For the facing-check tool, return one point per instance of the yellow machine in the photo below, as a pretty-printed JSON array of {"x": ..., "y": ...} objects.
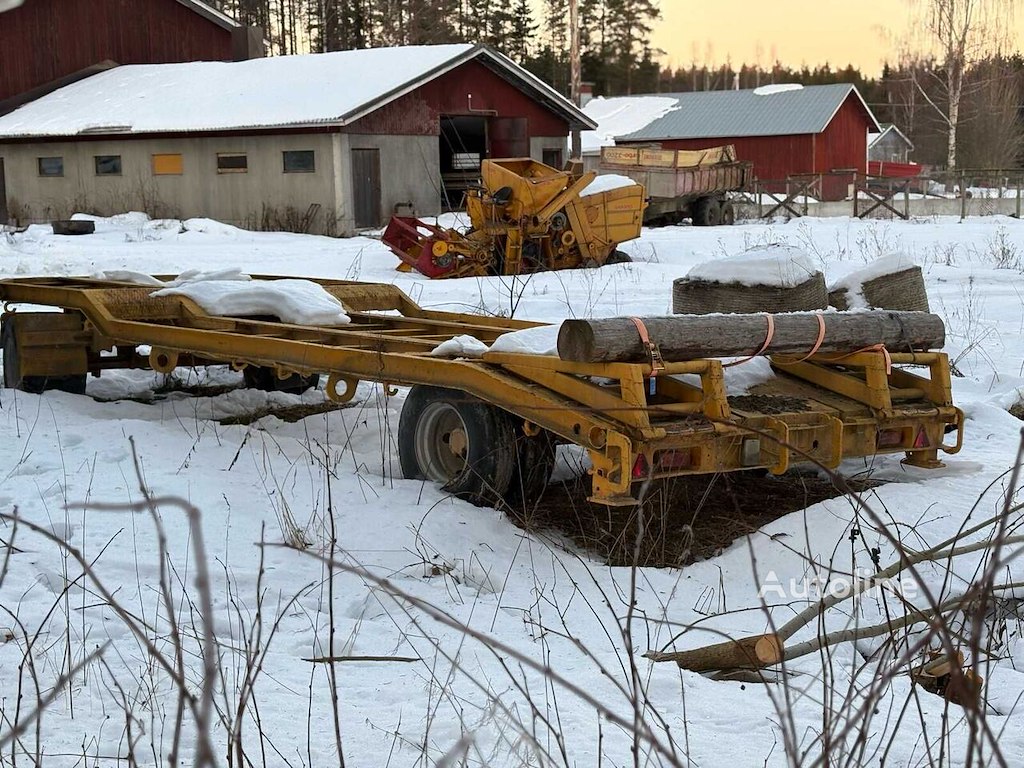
[
  {"x": 486, "y": 428},
  {"x": 526, "y": 217}
]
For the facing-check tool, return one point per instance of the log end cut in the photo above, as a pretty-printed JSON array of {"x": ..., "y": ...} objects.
[{"x": 757, "y": 652}]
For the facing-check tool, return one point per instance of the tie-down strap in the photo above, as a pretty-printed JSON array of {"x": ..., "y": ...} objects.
[{"x": 653, "y": 353}]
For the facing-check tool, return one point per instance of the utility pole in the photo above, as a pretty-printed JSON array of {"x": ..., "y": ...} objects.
[{"x": 574, "y": 70}]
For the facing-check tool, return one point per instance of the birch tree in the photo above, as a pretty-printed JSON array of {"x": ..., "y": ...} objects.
[{"x": 961, "y": 33}]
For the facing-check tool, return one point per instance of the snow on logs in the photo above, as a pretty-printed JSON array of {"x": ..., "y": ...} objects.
[{"x": 690, "y": 337}]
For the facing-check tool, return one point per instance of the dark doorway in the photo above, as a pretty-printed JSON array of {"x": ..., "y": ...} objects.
[
  {"x": 510, "y": 137},
  {"x": 463, "y": 145},
  {"x": 366, "y": 187},
  {"x": 3, "y": 195}
]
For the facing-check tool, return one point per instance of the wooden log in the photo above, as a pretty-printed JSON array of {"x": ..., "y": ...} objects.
[
  {"x": 755, "y": 652},
  {"x": 690, "y": 337}
]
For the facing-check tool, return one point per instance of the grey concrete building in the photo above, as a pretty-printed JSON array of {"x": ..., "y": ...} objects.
[{"x": 327, "y": 143}]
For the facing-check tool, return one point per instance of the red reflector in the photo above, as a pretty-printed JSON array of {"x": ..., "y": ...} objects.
[
  {"x": 921, "y": 441},
  {"x": 640, "y": 467},
  {"x": 673, "y": 459},
  {"x": 889, "y": 438}
]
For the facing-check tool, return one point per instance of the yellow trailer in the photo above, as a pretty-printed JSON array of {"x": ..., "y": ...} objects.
[{"x": 486, "y": 428}]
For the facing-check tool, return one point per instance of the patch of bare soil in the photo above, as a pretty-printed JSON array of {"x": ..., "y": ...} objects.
[
  {"x": 1017, "y": 409},
  {"x": 685, "y": 519},
  {"x": 289, "y": 413}
]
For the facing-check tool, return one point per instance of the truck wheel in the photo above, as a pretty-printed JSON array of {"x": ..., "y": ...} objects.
[
  {"x": 728, "y": 213},
  {"x": 454, "y": 439},
  {"x": 534, "y": 464},
  {"x": 259, "y": 377},
  {"x": 75, "y": 384},
  {"x": 707, "y": 212}
]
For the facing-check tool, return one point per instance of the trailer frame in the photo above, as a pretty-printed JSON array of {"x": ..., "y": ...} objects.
[{"x": 637, "y": 421}]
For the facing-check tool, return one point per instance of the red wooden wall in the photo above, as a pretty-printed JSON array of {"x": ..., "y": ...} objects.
[
  {"x": 44, "y": 40},
  {"x": 841, "y": 146},
  {"x": 418, "y": 112}
]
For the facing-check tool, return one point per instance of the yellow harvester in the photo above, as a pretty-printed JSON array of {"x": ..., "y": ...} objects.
[{"x": 526, "y": 216}]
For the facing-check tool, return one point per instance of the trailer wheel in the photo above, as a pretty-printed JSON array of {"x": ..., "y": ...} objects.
[
  {"x": 707, "y": 212},
  {"x": 619, "y": 257},
  {"x": 75, "y": 383},
  {"x": 728, "y": 213},
  {"x": 454, "y": 439},
  {"x": 260, "y": 377},
  {"x": 534, "y": 465}
]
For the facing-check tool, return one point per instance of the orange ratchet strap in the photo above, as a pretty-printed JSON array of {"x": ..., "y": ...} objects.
[{"x": 653, "y": 353}]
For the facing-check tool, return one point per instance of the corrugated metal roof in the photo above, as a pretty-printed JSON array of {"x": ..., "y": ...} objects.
[{"x": 733, "y": 114}]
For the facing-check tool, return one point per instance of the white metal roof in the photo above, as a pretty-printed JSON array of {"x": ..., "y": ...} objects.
[{"x": 283, "y": 91}]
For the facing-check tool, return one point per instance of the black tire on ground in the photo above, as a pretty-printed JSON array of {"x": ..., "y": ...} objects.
[
  {"x": 258, "y": 377},
  {"x": 454, "y": 439},
  {"x": 707, "y": 212},
  {"x": 619, "y": 257},
  {"x": 74, "y": 384},
  {"x": 728, "y": 213},
  {"x": 531, "y": 473}
]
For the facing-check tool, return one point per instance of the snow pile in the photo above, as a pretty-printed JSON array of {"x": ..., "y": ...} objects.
[
  {"x": 622, "y": 115},
  {"x": 542, "y": 340},
  {"x": 232, "y": 293},
  {"x": 128, "y": 276},
  {"x": 606, "y": 183},
  {"x": 782, "y": 266},
  {"x": 459, "y": 346},
  {"x": 770, "y": 90},
  {"x": 853, "y": 283}
]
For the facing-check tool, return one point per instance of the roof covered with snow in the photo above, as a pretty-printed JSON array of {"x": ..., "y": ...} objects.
[
  {"x": 620, "y": 115},
  {"x": 277, "y": 92},
  {"x": 755, "y": 112}
]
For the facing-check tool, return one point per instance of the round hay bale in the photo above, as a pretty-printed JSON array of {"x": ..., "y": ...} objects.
[
  {"x": 902, "y": 290},
  {"x": 691, "y": 296}
]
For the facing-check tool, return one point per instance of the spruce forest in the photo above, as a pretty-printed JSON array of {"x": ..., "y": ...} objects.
[{"x": 617, "y": 58}]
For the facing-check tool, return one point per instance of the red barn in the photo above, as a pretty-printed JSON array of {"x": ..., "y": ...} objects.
[
  {"x": 783, "y": 130},
  {"x": 45, "y": 44}
]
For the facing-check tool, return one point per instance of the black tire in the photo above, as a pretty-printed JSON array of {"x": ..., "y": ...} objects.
[
  {"x": 534, "y": 464},
  {"x": 258, "y": 377},
  {"x": 74, "y": 384},
  {"x": 706, "y": 212},
  {"x": 479, "y": 468},
  {"x": 619, "y": 257},
  {"x": 728, "y": 214}
]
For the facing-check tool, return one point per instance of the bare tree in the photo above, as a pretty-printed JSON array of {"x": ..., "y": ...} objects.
[{"x": 961, "y": 33}]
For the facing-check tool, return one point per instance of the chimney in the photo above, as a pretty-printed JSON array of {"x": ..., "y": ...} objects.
[{"x": 586, "y": 93}]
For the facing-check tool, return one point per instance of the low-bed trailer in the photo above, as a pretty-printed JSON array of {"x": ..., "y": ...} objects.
[{"x": 637, "y": 421}]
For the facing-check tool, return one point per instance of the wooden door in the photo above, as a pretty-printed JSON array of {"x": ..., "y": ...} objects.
[
  {"x": 366, "y": 187},
  {"x": 509, "y": 137},
  {"x": 3, "y": 195}
]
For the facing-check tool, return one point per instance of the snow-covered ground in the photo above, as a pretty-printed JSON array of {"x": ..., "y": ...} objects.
[{"x": 546, "y": 600}]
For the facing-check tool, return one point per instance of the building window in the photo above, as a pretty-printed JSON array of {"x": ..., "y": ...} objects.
[
  {"x": 232, "y": 162},
  {"x": 108, "y": 165},
  {"x": 299, "y": 161},
  {"x": 168, "y": 165},
  {"x": 552, "y": 157},
  {"x": 51, "y": 166}
]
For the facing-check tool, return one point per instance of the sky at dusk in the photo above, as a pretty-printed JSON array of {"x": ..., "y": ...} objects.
[{"x": 861, "y": 32}]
